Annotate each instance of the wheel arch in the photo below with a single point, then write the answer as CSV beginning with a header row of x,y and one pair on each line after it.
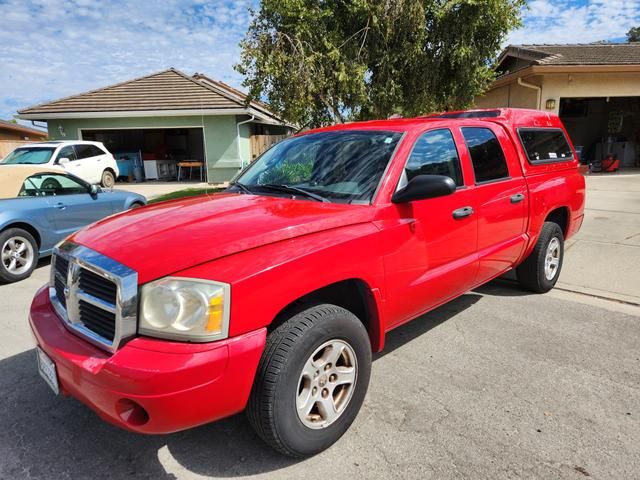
x,y
28,228
353,294
560,216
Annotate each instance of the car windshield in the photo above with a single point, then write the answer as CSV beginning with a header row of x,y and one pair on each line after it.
x,y
341,166
28,156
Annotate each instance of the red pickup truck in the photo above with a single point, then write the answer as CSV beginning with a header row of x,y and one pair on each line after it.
x,y
272,295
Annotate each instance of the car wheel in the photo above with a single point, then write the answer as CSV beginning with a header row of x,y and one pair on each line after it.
x,y
108,179
18,254
541,269
311,380
135,205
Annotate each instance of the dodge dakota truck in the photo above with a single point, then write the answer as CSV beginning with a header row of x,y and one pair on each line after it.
x,y
271,296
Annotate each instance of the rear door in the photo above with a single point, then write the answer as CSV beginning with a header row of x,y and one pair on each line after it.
x,y
434,249
501,196
94,161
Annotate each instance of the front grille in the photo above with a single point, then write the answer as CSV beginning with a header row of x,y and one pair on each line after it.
x,y
101,295
97,286
61,268
98,320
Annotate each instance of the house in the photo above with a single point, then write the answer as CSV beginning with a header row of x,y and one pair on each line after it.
x,y
595,88
166,118
13,135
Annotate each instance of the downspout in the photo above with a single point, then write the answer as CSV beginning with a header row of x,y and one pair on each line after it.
x,y
238,137
535,87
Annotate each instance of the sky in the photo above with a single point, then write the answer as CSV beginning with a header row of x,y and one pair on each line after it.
x,y
52,48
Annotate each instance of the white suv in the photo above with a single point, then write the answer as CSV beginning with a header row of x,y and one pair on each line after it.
x,y
90,161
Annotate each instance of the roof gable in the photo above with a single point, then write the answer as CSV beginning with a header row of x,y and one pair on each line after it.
x,y
166,90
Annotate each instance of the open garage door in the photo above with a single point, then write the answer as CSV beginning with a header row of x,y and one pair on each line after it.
x,y
604,129
154,153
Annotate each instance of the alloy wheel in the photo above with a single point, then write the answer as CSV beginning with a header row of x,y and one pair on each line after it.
x,y
326,384
17,255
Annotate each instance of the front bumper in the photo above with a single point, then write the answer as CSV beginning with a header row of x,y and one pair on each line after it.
x,y
179,385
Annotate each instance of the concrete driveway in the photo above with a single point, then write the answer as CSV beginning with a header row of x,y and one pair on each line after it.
x,y
497,384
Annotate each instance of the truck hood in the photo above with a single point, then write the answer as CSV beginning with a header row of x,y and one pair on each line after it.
x,y
168,237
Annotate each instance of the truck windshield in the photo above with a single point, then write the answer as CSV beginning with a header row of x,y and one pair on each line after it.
x,y
28,156
342,166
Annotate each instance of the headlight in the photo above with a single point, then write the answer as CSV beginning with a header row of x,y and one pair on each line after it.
x,y
185,309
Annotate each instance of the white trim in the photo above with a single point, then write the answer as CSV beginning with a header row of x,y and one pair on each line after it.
x,y
136,113
259,116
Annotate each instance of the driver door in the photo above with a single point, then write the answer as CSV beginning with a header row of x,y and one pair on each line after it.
x,y
433,250
72,204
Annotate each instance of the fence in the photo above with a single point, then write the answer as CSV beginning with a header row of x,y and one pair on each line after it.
x,y
261,143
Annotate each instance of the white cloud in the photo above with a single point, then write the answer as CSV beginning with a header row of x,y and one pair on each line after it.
x,y
576,21
50,49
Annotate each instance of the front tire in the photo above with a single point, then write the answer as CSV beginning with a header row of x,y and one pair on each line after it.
x,y
18,254
311,380
541,269
108,179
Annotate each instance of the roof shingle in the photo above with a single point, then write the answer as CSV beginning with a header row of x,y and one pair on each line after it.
x,y
576,54
166,90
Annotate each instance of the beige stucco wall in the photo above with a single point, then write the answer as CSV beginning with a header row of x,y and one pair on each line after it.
x,y
512,95
556,86
578,85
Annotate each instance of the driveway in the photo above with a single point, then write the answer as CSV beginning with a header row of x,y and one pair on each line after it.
x,y
497,384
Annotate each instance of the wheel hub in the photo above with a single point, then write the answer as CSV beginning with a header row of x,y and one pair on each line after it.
x,y
326,384
17,255
552,259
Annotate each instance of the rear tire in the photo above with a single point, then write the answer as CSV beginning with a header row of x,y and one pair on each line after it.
x,y
311,380
541,269
18,254
108,179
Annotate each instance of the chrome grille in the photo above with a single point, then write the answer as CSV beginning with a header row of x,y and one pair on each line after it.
x,y
97,320
60,269
98,286
95,296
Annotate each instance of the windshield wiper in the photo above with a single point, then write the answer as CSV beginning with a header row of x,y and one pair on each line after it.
x,y
242,187
294,190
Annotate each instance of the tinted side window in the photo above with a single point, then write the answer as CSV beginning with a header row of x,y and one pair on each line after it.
x,y
486,153
87,151
544,145
435,154
67,152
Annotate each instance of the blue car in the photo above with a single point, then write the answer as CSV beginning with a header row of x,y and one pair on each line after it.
x,y
41,206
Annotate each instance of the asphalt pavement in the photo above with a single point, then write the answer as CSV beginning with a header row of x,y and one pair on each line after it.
x,y
496,384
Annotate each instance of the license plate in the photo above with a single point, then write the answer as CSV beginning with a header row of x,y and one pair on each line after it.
x,y
47,370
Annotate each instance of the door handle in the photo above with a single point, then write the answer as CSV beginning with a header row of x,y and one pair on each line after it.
x,y
517,198
462,212
60,206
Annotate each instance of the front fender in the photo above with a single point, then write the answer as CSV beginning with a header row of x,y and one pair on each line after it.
x,y
267,279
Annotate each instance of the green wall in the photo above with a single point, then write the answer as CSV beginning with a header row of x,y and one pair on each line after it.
x,y
220,137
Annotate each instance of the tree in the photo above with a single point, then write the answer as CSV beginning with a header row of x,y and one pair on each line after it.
x,y
326,61
633,35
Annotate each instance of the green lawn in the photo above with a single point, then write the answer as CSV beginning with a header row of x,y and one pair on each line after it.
x,y
187,192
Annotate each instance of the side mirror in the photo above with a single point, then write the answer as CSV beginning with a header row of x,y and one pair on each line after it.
x,y
93,190
422,187
63,160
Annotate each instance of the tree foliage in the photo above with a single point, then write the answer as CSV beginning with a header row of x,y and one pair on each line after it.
x,y
633,35
325,61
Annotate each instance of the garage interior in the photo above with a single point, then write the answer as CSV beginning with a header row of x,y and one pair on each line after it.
x,y
155,154
602,127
